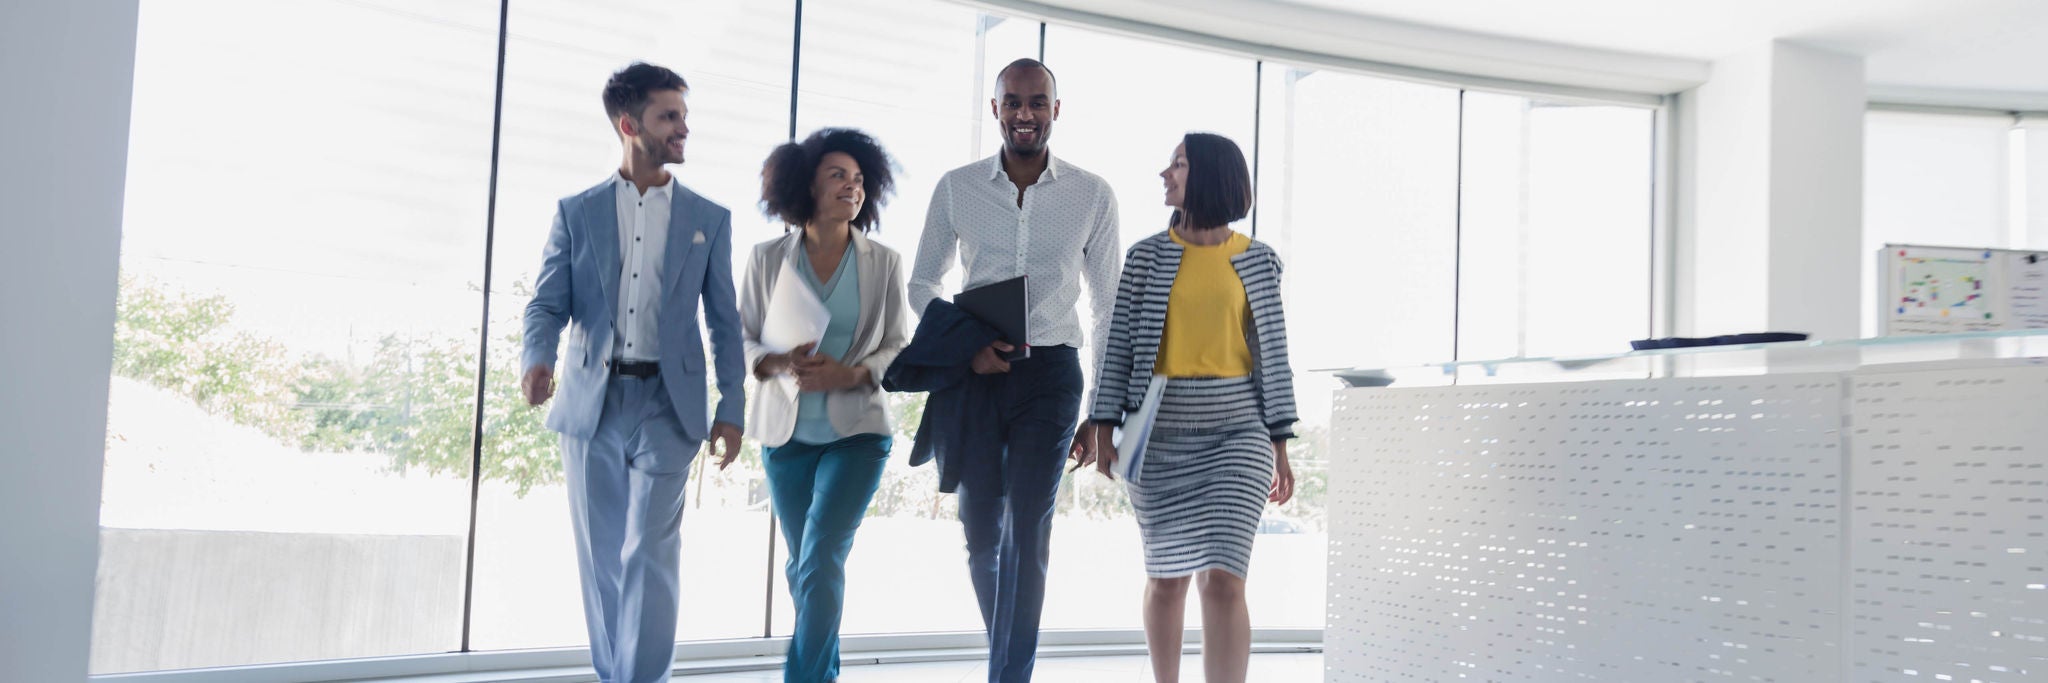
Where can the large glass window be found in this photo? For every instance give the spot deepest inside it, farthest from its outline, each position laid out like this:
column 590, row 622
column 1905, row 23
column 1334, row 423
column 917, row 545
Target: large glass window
column 288, row 439
column 1358, row 193
column 925, row 98
column 1361, row 199
column 302, row 317
column 1554, row 227
column 736, row 57
column 2033, row 172
column 1935, row 180
column 1124, row 105
column 1420, row 223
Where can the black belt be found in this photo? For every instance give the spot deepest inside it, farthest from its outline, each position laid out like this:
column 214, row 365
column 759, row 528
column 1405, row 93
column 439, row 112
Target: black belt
column 635, row 368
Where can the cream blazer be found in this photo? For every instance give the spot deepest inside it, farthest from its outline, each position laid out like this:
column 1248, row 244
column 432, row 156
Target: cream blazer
column 881, row 333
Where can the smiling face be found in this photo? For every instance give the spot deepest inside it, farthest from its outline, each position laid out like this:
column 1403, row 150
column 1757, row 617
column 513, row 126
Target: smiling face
column 1176, row 176
column 1025, row 107
column 837, row 189
column 660, row 129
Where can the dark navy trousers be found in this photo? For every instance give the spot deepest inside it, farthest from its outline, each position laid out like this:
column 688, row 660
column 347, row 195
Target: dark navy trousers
column 1006, row 500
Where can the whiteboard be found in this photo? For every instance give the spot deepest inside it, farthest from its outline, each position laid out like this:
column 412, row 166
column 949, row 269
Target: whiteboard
column 1942, row 290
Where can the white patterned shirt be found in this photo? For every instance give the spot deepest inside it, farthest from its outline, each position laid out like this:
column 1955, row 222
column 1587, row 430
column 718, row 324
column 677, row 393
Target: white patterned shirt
column 643, row 241
column 1066, row 230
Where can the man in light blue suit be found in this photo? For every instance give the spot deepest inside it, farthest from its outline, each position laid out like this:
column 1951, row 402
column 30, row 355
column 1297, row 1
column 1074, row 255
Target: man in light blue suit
column 625, row 266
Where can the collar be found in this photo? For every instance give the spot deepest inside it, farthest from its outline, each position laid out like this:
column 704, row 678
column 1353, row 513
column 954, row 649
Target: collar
column 666, row 190
column 1052, row 167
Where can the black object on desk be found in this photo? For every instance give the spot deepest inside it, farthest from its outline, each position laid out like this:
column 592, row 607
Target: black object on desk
column 1723, row 340
column 1002, row 306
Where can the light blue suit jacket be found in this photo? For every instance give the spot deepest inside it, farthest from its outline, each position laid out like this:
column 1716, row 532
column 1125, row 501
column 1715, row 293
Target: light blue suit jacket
column 578, row 287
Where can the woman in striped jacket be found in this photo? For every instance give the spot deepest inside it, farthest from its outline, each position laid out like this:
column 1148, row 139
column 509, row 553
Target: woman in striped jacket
column 1199, row 305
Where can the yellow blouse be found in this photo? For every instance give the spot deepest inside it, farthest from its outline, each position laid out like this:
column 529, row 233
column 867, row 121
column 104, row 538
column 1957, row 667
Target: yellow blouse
column 1206, row 314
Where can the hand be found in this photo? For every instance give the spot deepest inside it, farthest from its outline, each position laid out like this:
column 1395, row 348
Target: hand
column 726, row 435
column 538, row 384
column 822, row 372
column 1105, row 451
column 1283, row 474
column 778, row 363
column 1083, row 451
column 988, row 360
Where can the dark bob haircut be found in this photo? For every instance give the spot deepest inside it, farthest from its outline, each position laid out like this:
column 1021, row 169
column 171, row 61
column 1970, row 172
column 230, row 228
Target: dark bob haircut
column 630, row 88
column 787, row 176
column 1219, row 187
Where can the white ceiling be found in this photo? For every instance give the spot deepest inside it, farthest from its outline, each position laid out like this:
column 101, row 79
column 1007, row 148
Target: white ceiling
column 1966, row 44
column 1985, row 47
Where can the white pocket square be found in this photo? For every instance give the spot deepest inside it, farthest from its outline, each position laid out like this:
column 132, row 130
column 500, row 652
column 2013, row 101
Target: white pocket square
column 698, row 239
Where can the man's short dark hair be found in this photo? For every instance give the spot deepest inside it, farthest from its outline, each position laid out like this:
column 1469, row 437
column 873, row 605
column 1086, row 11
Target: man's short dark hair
column 787, row 176
column 1029, row 63
column 630, row 88
column 1219, row 187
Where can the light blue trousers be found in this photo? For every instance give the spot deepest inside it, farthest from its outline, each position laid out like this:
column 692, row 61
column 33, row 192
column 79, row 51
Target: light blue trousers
column 626, row 505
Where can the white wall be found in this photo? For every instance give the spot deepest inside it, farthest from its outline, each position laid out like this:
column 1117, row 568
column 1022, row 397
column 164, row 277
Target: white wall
column 1724, row 210
column 67, row 67
column 1816, row 184
column 1770, row 202
column 2036, row 236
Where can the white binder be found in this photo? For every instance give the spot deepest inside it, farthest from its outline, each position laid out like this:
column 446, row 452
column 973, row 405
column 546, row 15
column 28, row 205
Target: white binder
column 1137, row 430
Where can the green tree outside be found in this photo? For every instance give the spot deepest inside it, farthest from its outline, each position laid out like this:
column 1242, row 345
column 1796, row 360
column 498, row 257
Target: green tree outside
column 413, row 401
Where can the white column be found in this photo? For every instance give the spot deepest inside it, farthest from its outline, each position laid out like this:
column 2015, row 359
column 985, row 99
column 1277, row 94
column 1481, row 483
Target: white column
column 1770, row 204
column 2035, row 236
column 67, row 67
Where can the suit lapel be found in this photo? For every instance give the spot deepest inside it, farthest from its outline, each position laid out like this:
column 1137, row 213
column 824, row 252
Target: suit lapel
column 793, row 244
column 601, row 209
column 684, row 229
column 871, row 292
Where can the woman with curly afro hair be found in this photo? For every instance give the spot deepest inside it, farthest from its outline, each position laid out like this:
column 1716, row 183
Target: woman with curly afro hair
column 818, row 408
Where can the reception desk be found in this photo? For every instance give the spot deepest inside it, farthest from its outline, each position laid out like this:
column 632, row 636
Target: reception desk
column 1853, row 511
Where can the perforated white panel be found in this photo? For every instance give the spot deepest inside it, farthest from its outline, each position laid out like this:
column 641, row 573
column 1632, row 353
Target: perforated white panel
column 1641, row 531
column 1949, row 482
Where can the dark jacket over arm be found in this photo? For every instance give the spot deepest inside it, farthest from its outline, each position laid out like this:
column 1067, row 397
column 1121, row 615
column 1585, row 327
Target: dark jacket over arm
column 960, row 414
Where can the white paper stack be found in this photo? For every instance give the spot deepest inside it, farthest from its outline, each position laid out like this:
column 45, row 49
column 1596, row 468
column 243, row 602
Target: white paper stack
column 796, row 316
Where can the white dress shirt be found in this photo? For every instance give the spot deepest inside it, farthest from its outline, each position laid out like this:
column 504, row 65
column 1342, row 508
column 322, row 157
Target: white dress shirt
column 1066, row 230
column 643, row 241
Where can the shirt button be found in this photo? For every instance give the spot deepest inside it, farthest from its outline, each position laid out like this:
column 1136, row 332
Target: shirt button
column 629, row 312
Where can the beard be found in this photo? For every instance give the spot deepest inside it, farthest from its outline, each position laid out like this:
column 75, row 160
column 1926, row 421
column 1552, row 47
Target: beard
column 659, row 150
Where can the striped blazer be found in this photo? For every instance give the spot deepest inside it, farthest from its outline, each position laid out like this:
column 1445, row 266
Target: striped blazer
column 1150, row 267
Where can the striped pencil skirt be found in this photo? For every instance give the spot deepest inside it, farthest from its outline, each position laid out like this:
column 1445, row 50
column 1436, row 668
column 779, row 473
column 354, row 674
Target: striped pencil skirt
column 1207, row 471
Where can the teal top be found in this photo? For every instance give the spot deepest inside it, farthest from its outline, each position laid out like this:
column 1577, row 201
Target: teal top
column 842, row 297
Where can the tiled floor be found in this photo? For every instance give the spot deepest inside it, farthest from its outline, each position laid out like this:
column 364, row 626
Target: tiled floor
column 1266, row 668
